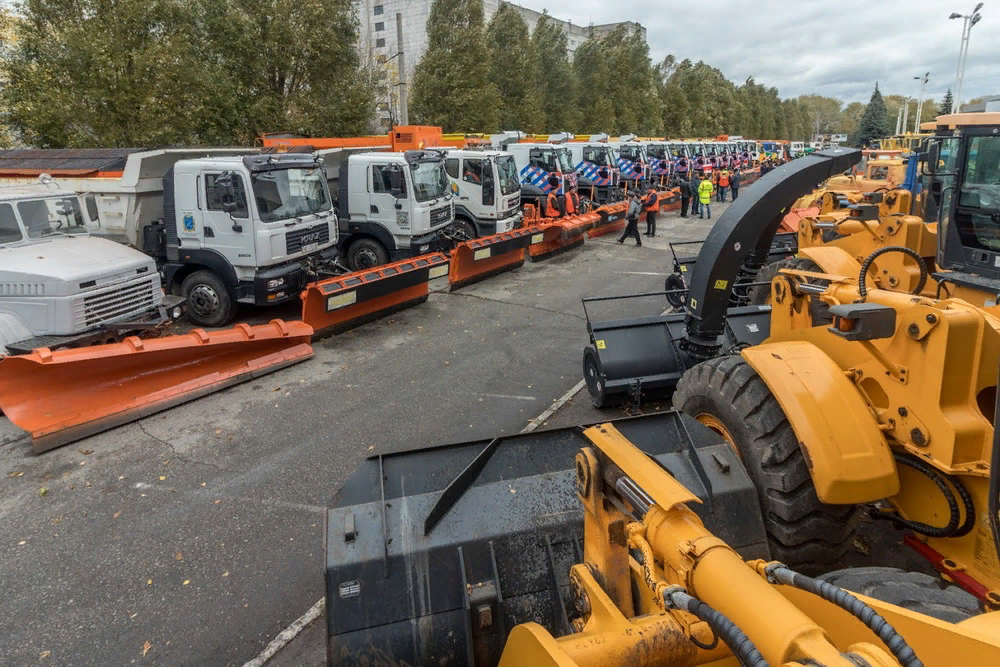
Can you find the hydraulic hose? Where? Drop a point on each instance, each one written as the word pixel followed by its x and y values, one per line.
pixel 865 265
pixel 941 480
pixel 675 597
pixel 779 573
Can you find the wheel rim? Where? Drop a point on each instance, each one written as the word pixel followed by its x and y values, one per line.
pixel 366 259
pixel 715 424
pixel 204 300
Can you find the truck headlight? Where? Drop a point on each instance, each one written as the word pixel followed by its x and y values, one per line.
pixel 425 247
pixel 275 282
pixel 177 312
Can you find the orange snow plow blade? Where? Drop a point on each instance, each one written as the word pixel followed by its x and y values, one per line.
pixel 790 223
pixel 64 395
pixel 561 234
pixel 477 259
pixel 338 304
pixel 670 200
pixel 611 219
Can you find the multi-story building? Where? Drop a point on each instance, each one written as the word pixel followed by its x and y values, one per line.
pixel 377 40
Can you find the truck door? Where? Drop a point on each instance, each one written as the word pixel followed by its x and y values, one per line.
pixel 385 207
pixel 231 234
pixel 476 188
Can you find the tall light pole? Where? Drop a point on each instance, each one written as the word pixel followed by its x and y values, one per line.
pixel 920 101
pixel 906 113
pixel 968 20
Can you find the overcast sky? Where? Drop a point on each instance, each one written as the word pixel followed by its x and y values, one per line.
pixel 814 46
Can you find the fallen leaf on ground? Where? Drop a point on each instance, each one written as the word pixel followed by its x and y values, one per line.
pixel 371 448
pixel 145 648
pixel 186 582
pixel 218 501
pixel 178 556
pixel 162 477
pixel 86 452
pixel 44 654
pixel 116 514
pixel 149 582
pixel 42 491
pixel 225 574
pixel 16 474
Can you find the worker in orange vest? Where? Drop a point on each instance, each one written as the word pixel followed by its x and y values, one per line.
pixel 650 205
pixel 572 203
pixel 552 206
pixel 723 184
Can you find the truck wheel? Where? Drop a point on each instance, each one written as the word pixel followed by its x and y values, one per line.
pixel 922 593
pixel 209 303
pixel 594 377
pixel 674 282
pixel 728 396
pixel 366 254
pixel 761 294
pixel 465 229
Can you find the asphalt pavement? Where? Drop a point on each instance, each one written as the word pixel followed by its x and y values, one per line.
pixel 194 537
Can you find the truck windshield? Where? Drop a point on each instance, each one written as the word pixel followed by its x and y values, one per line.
pixel 290 193
pixel 42 217
pixel 507 171
pixel 430 180
pixel 632 153
pixel 597 155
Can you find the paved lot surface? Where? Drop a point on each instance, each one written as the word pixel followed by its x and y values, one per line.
pixel 194 537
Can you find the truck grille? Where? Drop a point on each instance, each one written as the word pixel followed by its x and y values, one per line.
pixel 117 303
pixel 22 289
pixel 301 237
pixel 440 215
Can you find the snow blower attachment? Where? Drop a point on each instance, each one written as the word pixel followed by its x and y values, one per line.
pixel 338 304
pixel 477 259
pixel 628 357
pixel 64 395
pixel 433 556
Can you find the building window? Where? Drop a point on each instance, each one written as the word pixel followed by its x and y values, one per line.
pixel 378 10
pixel 379 27
pixel 379 43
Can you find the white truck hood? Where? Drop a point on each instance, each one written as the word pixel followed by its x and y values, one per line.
pixel 71 260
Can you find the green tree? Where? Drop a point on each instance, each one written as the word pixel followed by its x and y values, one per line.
pixel 558 77
pixel 514 70
pixel 593 73
pixel 451 84
pixel 946 103
pixel 631 82
pixel 875 120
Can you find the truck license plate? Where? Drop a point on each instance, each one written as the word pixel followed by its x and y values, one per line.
pixel 309 247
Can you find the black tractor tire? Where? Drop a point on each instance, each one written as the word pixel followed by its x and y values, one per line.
pixel 593 375
pixel 675 282
pixel 209 302
pixel 922 593
pixel 802 532
pixel 366 254
pixel 761 294
pixel 465 227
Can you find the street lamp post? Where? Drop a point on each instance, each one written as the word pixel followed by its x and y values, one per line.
pixel 968 20
pixel 920 101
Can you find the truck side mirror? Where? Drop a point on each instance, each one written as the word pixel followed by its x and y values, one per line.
pixel 90 202
pixel 933 155
pixel 396 183
pixel 226 191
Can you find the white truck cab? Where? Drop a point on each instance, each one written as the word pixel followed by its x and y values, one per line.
pixel 487 191
pixel 598 176
pixel 60 286
pixel 542 167
pixel 391 205
pixel 632 159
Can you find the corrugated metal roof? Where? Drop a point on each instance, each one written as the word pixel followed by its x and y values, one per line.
pixel 63 159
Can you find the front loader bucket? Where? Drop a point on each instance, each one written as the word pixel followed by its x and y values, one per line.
pixel 433 556
pixel 338 304
pixel 477 259
pixel 64 395
pixel 611 220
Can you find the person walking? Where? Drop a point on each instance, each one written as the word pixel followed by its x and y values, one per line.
pixel 723 184
pixel 734 183
pixel 685 197
pixel 695 200
pixel 632 227
pixel 650 204
pixel 705 198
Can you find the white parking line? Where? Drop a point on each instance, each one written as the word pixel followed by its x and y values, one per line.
pixel 286 636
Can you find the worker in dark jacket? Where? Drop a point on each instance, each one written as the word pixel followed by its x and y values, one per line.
pixel 693 184
pixel 735 183
pixel 650 205
pixel 632 227
pixel 685 197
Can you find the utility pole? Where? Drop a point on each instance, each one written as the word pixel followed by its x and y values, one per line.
pixel 899 119
pixel 906 113
pixel 920 101
pixel 404 114
pixel 968 20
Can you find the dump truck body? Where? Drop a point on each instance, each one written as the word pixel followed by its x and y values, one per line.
pixel 61 286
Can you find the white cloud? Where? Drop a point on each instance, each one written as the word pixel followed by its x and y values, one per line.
pixel 813 46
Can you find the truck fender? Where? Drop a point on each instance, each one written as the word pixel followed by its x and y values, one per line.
pixel 12 330
pixel 192 259
pixel 371 229
pixel 848 458
pixel 466 214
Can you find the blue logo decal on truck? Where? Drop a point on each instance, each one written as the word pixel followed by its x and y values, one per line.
pixel 188 223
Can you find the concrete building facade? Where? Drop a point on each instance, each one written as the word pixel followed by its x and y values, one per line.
pixel 377 38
